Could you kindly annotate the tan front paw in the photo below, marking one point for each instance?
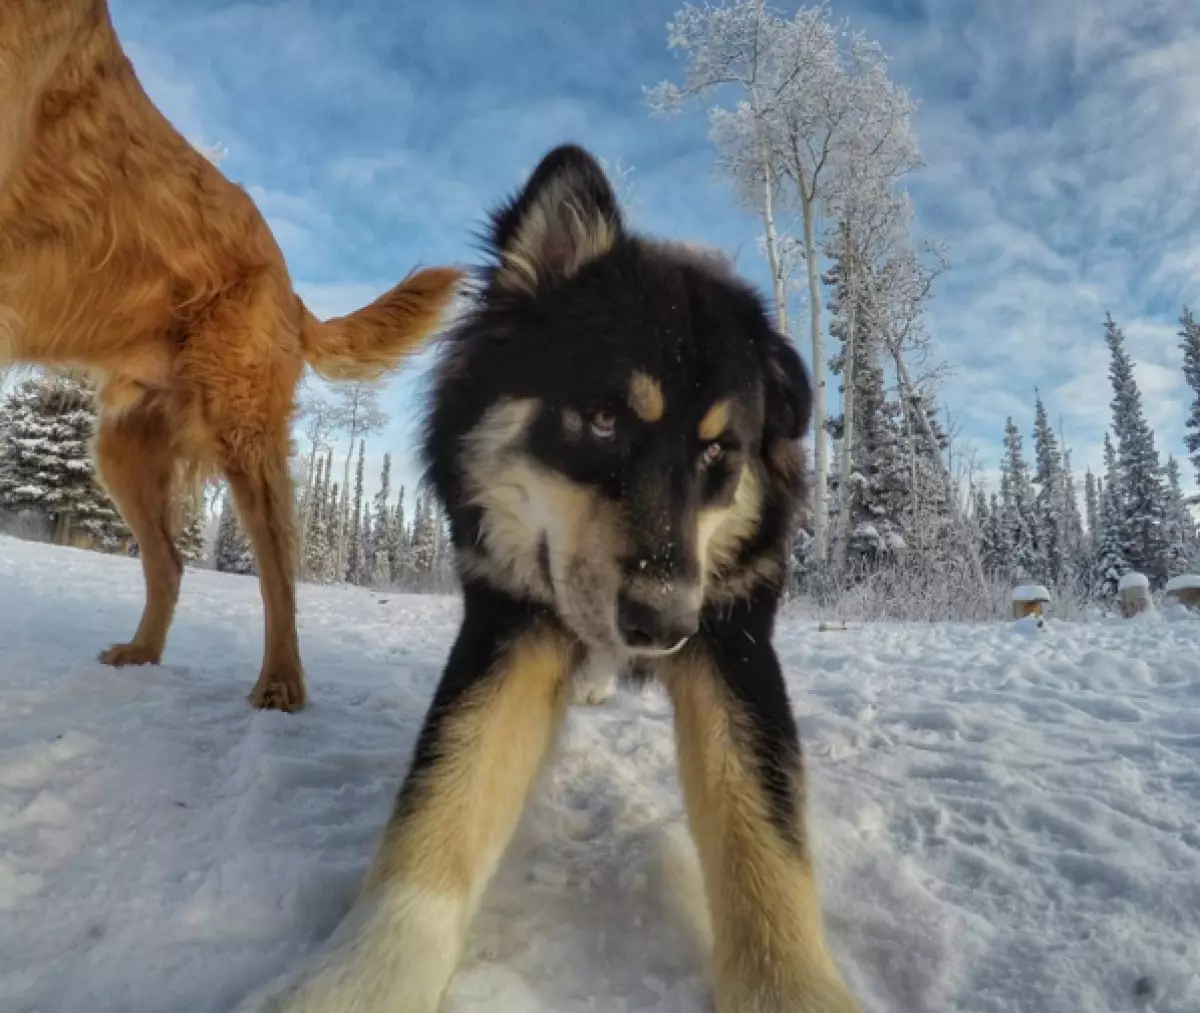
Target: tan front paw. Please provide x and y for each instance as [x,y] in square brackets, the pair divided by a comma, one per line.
[279,693]
[120,655]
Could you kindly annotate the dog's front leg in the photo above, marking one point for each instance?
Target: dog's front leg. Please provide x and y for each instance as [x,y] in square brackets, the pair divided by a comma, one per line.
[742,777]
[492,720]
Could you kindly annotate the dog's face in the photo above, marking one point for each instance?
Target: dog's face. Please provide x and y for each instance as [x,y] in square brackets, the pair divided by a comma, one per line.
[631,396]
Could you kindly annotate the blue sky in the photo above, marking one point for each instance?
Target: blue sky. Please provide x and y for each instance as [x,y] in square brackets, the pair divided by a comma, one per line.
[1062,142]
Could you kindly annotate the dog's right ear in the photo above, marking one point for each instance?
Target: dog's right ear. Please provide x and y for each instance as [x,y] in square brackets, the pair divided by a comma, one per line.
[566,216]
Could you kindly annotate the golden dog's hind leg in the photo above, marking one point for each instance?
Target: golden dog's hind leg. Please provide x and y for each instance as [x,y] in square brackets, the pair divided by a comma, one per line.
[135,461]
[740,767]
[493,718]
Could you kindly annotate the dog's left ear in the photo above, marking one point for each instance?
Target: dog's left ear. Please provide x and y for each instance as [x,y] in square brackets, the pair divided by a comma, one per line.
[566,216]
[787,393]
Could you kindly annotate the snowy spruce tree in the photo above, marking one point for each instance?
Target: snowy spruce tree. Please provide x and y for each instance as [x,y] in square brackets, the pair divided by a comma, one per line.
[1189,333]
[995,549]
[1091,499]
[1109,564]
[354,546]
[1075,547]
[46,462]
[1180,525]
[423,556]
[381,530]
[194,519]
[878,480]
[399,543]
[1048,518]
[233,553]
[318,549]
[1017,497]
[1143,492]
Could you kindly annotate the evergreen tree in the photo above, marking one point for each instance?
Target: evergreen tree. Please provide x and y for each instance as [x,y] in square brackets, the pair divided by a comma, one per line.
[1180,525]
[1143,493]
[233,551]
[879,481]
[424,553]
[331,514]
[354,545]
[318,550]
[1091,498]
[367,576]
[996,551]
[381,532]
[1075,548]
[46,462]
[928,517]
[1189,333]
[1016,495]
[1110,563]
[1048,521]
[398,545]
[191,535]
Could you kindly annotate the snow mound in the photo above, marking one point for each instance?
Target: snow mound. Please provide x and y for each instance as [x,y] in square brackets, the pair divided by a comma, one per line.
[1001,821]
[1131,580]
[1030,592]
[1184,582]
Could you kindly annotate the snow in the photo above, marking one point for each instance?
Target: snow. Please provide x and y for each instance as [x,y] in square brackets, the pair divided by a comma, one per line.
[1184,582]
[1131,580]
[1004,817]
[1030,592]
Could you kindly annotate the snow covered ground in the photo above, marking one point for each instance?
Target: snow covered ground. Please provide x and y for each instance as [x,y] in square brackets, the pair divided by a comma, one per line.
[1006,817]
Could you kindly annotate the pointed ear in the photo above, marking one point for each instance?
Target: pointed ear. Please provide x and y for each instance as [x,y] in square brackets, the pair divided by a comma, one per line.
[788,394]
[565,217]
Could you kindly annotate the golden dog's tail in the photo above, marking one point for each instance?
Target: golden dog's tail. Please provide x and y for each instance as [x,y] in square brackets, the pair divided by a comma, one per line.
[368,342]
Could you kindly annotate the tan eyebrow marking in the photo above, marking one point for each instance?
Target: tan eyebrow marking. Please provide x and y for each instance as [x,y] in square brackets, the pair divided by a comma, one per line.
[646,397]
[715,421]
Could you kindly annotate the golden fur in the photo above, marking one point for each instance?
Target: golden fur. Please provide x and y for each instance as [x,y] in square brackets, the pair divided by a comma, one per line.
[125,252]
[769,950]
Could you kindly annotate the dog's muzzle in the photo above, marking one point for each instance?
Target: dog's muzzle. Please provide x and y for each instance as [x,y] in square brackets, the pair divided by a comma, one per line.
[659,627]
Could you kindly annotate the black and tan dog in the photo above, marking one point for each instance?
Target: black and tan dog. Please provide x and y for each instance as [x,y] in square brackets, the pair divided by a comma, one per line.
[615,434]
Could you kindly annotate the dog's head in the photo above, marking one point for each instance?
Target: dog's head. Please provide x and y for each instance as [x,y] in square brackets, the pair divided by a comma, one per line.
[615,421]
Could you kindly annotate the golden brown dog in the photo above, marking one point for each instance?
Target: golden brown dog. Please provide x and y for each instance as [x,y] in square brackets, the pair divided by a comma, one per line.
[125,252]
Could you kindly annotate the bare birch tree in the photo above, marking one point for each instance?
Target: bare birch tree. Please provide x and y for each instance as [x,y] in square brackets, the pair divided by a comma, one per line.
[809,107]
[357,414]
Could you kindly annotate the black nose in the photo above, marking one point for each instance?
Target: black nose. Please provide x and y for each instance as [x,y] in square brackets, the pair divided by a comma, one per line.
[648,627]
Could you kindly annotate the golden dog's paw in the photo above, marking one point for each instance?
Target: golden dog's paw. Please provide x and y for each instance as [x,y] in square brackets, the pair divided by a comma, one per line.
[279,693]
[120,655]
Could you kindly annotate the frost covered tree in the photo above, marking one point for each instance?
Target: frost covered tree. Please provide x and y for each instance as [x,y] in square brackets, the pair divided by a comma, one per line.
[354,546]
[423,554]
[194,517]
[812,106]
[1016,495]
[1076,539]
[46,461]
[320,423]
[357,414]
[995,550]
[1143,493]
[399,543]
[381,530]
[318,550]
[1189,334]
[1091,499]
[1048,516]
[1110,563]
[233,553]
[1180,525]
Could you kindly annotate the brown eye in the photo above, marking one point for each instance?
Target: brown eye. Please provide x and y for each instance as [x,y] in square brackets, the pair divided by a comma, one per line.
[712,454]
[603,425]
